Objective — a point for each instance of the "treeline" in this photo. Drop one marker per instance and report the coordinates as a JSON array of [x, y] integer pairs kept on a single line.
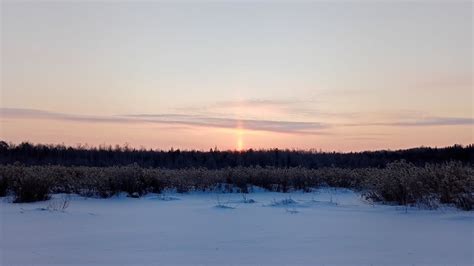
[[39, 154], [399, 182]]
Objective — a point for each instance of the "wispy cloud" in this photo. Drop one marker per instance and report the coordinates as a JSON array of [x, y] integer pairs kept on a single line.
[[257, 107], [434, 121], [312, 128], [422, 122], [248, 124], [187, 120]]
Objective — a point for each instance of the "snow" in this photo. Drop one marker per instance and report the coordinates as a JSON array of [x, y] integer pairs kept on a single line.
[[327, 227]]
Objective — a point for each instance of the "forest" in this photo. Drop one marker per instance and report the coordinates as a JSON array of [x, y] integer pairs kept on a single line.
[[105, 156]]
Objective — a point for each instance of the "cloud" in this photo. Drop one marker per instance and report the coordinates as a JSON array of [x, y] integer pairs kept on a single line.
[[40, 114], [435, 121], [423, 122], [187, 120], [256, 102], [259, 107], [311, 128], [248, 124]]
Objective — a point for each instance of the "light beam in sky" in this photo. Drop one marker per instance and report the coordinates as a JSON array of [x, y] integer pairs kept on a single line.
[[240, 143], [240, 136]]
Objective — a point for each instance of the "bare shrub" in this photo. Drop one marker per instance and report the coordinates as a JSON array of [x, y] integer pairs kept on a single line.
[[31, 185], [3, 186], [59, 204], [223, 205], [245, 199], [399, 182]]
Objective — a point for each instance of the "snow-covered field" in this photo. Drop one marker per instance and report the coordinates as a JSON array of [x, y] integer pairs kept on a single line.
[[328, 227]]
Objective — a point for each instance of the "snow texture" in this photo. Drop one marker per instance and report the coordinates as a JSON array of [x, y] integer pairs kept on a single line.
[[327, 227]]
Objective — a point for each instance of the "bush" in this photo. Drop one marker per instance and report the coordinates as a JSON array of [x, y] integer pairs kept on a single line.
[[405, 184], [400, 182], [3, 186], [130, 180], [31, 186]]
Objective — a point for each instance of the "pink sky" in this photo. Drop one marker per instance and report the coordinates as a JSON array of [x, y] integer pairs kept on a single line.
[[330, 76]]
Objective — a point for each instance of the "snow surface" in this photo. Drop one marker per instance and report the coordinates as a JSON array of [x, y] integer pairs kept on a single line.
[[327, 227]]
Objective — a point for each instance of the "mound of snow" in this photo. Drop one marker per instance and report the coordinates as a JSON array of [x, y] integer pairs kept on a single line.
[[248, 201], [224, 206], [292, 211], [283, 203], [323, 202], [165, 198]]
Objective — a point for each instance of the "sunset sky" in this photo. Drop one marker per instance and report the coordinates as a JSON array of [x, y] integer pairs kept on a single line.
[[343, 76]]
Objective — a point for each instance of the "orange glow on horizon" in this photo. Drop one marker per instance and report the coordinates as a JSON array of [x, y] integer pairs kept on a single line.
[[240, 139], [240, 143]]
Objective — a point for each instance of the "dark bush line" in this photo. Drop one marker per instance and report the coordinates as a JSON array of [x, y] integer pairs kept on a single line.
[[107, 156], [406, 184], [399, 182]]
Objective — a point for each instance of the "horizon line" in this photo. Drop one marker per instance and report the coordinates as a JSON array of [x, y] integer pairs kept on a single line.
[[126, 145]]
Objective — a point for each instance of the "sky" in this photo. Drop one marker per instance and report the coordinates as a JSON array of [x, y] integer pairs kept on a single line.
[[325, 75]]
